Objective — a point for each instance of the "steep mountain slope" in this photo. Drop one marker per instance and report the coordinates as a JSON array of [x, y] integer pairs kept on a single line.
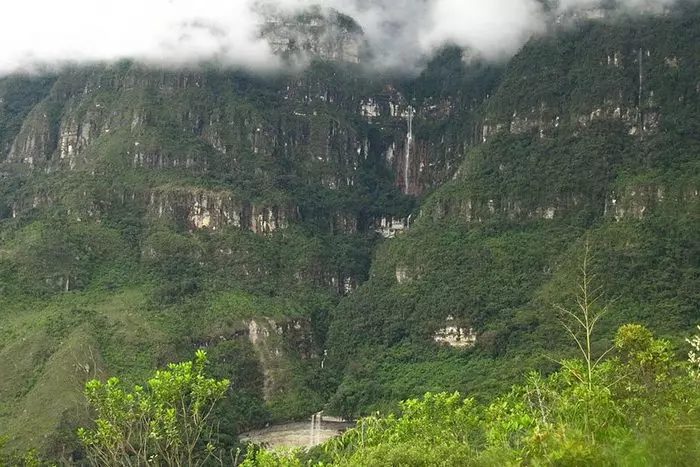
[[148, 212], [153, 212], [591, 137]]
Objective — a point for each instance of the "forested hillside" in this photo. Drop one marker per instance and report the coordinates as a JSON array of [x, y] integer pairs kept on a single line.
[[591, 136], [338, 238]]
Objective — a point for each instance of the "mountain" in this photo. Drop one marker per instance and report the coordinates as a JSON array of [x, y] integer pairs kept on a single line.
[[590, 137], [335, 236]]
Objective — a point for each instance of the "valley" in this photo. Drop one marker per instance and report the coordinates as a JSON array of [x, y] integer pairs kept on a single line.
[[338, 238]]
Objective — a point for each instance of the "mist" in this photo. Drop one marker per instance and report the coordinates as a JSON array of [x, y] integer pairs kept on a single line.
[[400, 34]]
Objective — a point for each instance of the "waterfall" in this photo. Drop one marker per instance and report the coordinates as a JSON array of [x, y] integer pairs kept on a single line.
[[315, 431], [312, 430], [409, 140]]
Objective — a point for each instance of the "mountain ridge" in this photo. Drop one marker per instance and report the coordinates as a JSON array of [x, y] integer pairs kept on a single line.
[[154, 211]]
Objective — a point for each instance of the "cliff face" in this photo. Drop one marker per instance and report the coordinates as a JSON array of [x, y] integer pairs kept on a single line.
[[588, 138], [178, 187], [576, 109], [332, 212], [331, 150], [329, 119], [638, 73], [323, 124], [315, 34]]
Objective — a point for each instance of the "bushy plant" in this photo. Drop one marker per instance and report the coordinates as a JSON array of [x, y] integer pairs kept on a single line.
[[169, 421]]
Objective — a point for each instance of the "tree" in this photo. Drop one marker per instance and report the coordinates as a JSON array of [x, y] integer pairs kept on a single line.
[[584, 317], [168, 422]]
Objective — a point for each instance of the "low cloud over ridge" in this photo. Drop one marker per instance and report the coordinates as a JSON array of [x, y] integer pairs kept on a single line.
[[37, 33]]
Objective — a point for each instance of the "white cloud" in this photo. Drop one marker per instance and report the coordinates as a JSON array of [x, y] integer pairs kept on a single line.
[[187, 32], [168, 31], [492, 28]]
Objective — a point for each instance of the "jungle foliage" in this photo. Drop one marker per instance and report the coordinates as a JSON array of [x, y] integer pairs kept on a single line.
[[589, 135]]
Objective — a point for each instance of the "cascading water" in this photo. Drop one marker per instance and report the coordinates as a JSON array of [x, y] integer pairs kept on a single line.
[[315, 431], [409, 141]]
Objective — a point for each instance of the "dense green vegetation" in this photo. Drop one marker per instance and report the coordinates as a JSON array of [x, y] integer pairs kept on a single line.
[[633, 404], [485, 253], [147, 213], [638, 407], [103, 270], [170, 421], [567, 157]]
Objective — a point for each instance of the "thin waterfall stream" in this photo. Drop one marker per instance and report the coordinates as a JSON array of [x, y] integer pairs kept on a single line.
[[409, 141], [315, 431]]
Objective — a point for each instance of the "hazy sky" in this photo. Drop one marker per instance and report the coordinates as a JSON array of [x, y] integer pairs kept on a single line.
[[182, 32]]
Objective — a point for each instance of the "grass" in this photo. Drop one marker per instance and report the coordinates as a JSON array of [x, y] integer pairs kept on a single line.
[[49, 348], [56, 393]]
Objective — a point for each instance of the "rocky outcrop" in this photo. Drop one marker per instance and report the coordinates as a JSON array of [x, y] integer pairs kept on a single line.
[[36, 141], [276, 344], [132, 117], [455, 336], [212, 210], [544, 121], [640, 200], [389, 227], [473, 211], [314, 34], [272, 343]]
